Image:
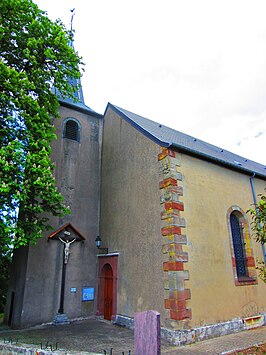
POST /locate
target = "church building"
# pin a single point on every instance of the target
(158, 222)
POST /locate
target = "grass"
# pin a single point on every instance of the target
(254, 350)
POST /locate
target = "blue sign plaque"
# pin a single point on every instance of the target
(87, 294)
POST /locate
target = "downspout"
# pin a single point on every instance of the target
(256, 208)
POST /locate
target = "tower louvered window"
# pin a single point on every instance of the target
(238, 246)
(72, 130)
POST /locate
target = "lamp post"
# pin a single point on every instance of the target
(98, 243)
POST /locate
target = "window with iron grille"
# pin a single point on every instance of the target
(72, 130)
(238, 245)
(243, 262)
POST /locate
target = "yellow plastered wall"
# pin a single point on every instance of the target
(209, 191)
(131, 226)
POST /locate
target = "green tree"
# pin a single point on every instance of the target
(258, 215)
(36, 57)
(5, 263)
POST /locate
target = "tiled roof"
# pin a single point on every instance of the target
(168, 137)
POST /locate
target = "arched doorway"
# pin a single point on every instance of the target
(107, 286)
(108, 292)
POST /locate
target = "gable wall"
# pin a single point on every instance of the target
(130, 215)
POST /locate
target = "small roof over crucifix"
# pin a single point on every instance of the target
(67, 232)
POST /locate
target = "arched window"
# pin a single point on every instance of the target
(241, 249)
(238, 245)
(72, 129)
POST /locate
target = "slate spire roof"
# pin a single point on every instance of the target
(78, 102)
(168, 137)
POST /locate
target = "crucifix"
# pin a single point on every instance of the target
(67, 244)
(66, 235)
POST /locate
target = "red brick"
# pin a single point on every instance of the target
(175, 304)
(174, 315)
(175, 266)
(171, 230)
(233, 261)
(167, 304)
(180, 314)
(250, 261)
(246, 283)
(165, 266)
(181, 304)
(174, 205)
(166, 152)
(167, 182)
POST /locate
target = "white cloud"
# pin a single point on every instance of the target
(197, 66)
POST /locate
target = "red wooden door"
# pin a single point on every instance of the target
(108, 292)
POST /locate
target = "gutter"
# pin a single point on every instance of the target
(80, 107)
(217, 160)
(256, 208)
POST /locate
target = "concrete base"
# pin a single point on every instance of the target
(189, 336)
(61, 319)
(124, 321)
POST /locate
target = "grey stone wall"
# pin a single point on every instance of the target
(36, 278)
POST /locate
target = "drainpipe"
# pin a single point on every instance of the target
(256, 208)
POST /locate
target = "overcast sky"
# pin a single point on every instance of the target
(196, 66)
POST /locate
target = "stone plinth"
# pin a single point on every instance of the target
(61, 319)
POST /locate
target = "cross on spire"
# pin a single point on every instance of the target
(72, 17)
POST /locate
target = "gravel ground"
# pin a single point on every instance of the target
(97, 336)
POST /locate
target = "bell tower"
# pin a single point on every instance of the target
(35, 293)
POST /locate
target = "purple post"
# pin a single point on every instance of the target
(147, 337)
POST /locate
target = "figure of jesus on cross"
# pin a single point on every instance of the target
(66, 248)
(66, 235)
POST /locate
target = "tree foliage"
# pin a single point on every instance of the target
(35, 57)
(258, 215)
(5, 264)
